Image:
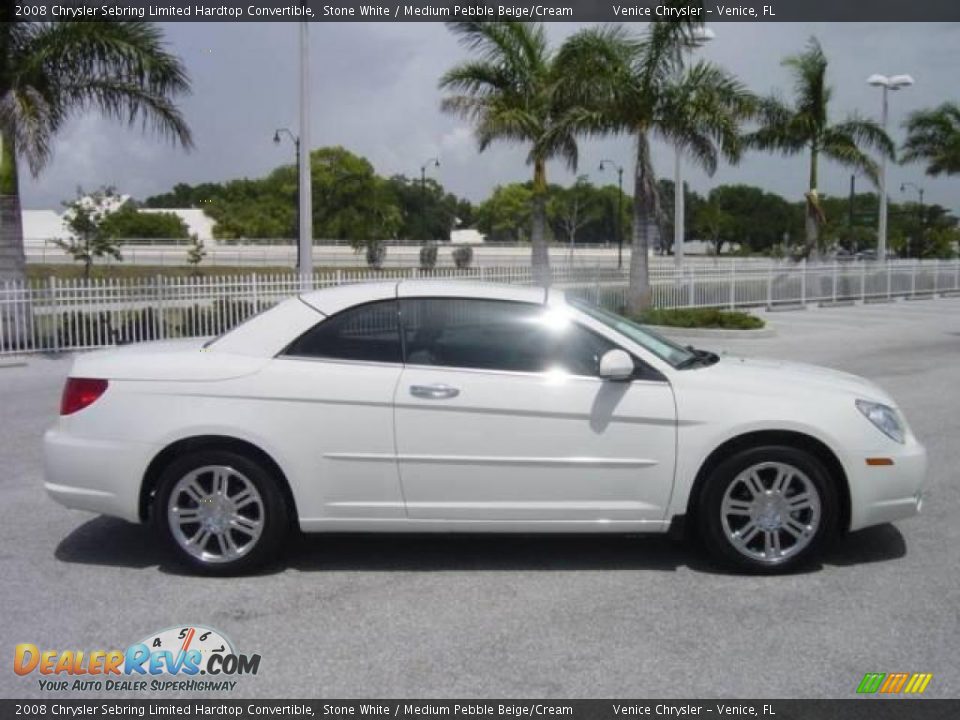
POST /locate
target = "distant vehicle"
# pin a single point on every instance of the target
(451, 407)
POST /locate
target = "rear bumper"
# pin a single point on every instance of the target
(881, 494)
(95, 475)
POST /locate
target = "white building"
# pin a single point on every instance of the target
(42, 227)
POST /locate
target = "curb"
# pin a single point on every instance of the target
(719, 333)
(785, 307)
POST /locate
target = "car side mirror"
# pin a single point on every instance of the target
(616, 365)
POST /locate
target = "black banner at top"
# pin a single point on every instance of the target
(451, 10)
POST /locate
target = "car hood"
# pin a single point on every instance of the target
(165, 360)
(769, 376)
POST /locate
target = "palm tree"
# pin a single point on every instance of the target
(640, 85)
(51, 71)
(933, 137)
(509, 93)
(805, 125)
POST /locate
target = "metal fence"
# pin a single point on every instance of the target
(328, 254)
(56, 315)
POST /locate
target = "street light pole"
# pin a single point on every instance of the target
(887, 84)
(306, 190)
(423, 194)
(296, 144)
(619, 209)
(701, 37)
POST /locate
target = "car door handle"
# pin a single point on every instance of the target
(434, 392)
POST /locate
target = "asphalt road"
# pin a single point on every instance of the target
(482, 616)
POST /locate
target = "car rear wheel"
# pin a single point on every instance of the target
(220, 511)
(768, 510)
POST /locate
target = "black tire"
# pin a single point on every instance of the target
(272, 512)
(721, 545)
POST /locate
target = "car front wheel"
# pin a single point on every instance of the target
(768, 509)
(220, 511)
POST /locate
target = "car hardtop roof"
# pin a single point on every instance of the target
(334, 299)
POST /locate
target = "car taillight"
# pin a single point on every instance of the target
(79, 393)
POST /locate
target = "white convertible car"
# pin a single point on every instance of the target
(451, 407)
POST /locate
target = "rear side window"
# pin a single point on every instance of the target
(369, 333)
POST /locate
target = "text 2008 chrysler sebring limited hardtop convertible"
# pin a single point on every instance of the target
(432, 406)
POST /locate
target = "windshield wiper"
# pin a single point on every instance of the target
(699, 357)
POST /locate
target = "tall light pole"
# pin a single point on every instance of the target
(296, 144)
(306, 190)
(701, 37)
(619, 209)
(434, 162)
(892, 83)
(903, 188)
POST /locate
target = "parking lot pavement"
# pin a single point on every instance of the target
(396, 616)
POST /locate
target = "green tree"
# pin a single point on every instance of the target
(804, 126)
(933, 137)
(427, 210)
(572, 209)
(86, 218)
(712, 223)
(49, 72)
(131, 224)
(756, 219)
(640, 85)
(510, 93)
(196, 252)
(186, 196)
(350, 202)
(505, 215)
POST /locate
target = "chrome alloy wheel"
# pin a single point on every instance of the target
(770, 512)
(215, 514)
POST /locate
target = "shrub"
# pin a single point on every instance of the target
(463, 256)
(428, 256)
(376, 254)
(700, 318)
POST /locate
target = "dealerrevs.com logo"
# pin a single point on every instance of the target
(172, 660)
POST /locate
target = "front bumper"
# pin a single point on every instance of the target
(95, 475)
(884, 493)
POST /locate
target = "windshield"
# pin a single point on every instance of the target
(664, 349)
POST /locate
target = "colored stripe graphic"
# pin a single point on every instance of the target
(893, 683)
(871, 682)
(918, 683)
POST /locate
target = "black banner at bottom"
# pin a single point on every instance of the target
(853, 709)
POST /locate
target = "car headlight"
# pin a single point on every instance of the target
(884, 418)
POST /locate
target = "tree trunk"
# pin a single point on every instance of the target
(812, 220)
(645, 213)
(16, 316)
(12, 260)
(539, 253)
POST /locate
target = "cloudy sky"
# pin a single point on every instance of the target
(375, 92)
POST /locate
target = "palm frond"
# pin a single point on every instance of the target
(933, 137)
(703, 112)
(863, 133)
(812, 93)
(121, 69)
(842, 149)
